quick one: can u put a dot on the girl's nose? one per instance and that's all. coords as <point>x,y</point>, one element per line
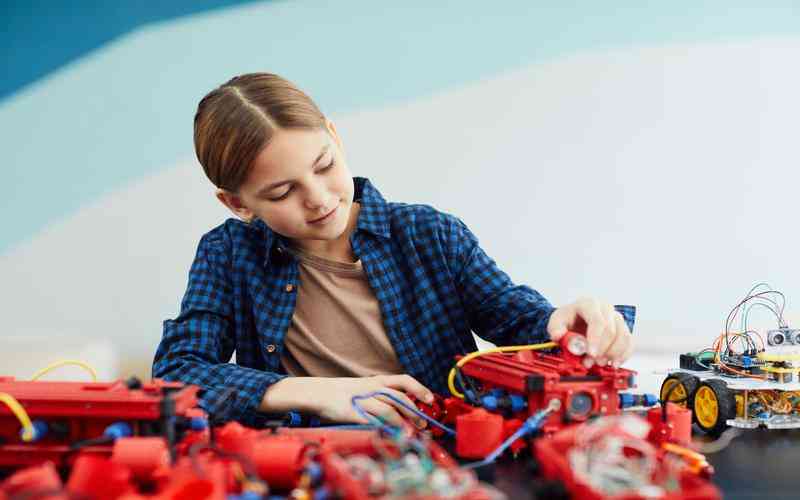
<point>316,197</point>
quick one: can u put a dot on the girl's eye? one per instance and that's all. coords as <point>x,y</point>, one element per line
<point>283,196</point>
<point>328,166</point>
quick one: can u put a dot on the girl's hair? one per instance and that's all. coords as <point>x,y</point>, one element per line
<point>235,121</point>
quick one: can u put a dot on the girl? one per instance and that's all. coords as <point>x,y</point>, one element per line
<point>325,290</point>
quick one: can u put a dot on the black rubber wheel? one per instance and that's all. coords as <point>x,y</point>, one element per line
<point>714,403</point>
<point>683,396</point>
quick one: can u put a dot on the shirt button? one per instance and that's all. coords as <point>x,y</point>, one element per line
<point>289,287</point>
<point>271,348</point>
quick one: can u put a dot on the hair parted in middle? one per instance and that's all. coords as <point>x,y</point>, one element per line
<point>235,121</point>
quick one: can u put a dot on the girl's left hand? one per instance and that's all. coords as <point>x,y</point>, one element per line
<point>610,341</point>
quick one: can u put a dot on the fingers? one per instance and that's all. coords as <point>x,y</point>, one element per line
<point>629,351</point>
<point>558,324</point>
<point>385,411</point>
<point>607,333</point>
<point>598,324</point>
<point>409,384</point>
<point>418,421</point>
<point>620,341</point>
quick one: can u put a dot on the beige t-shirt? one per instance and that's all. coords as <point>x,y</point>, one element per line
<point>336,330</point>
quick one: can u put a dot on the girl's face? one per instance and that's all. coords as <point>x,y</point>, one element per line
<point>299,186</point>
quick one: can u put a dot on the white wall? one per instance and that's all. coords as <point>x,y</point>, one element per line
<point>663,177</point>
<point>660,176</point>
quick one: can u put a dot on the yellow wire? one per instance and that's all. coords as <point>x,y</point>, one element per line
<point>20,413</point>
<point>59,364</point>
<point>469,357</point>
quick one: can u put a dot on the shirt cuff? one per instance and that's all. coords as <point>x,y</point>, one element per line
<point>628,313</point>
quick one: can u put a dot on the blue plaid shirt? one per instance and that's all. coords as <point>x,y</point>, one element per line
<point>432,280</point>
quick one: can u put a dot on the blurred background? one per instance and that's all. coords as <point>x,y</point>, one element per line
<point>644,152</point>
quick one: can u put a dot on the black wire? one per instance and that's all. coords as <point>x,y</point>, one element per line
<point>64,460</point>
<point>763,296</point>
<point>473,388</point>
<point>91,442</point>
<point>746,313</point>
<point>755,346</point>
<point>769,288</point>
<point>167,419</point>
<point>732,314</point>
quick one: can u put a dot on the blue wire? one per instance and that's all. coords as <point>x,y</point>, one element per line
<point>491,457</point>
<point>530,426</point>
<point>349,427</point>
<point>413,410</point>
<point>376,422</point>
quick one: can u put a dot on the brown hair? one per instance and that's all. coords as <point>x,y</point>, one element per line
<point>235,121</point>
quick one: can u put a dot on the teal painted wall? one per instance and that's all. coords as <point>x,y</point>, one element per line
<point>123,110</point>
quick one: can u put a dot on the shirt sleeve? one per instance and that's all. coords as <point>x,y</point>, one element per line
<point>497,310</point>
<point>196,346</point>
<point>628,313</point>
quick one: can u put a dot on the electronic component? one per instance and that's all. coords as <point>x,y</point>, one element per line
<point>742,381</point>
<point>131,440</point>
<point>783,336</point>
<point>623,456</point>
<point>518,384</point>
<point>65,416</point>
<point>696,361</point>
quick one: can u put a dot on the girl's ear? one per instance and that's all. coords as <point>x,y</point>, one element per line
<point>235,205</point>
<point>332,130</point>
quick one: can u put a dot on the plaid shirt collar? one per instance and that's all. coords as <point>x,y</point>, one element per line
<point>373,217</point>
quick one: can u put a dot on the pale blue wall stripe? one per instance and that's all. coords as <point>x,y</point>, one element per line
<point>125,111</point>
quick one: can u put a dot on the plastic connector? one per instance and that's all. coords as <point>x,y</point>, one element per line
<point>293,419</point>
<point>297,419</point>
<point>315,473</point>
<point>323,494</point>
<point>533,422</point>
<point>198,423</point>
<point>495,401</point>
<point>518,403</point>
<point>246,495</point>
<point>40,429</point>
<point>628,400</point>
<point>490,402</point>
<point>625,400</point>
<point>118,430</point>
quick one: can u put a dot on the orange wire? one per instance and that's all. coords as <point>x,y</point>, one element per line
<point>718,359</point>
